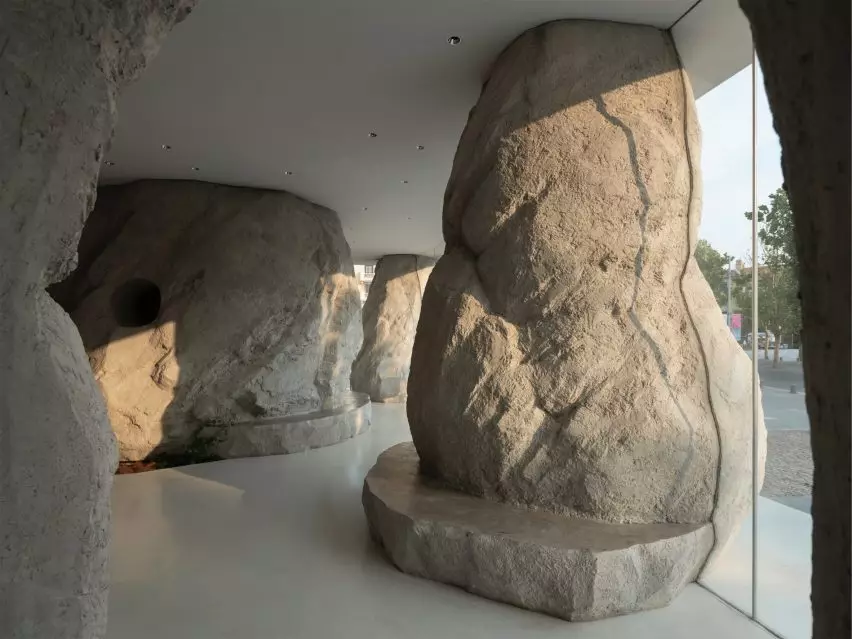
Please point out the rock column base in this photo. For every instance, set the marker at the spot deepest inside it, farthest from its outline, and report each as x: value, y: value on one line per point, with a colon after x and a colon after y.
x: 570, y: 568
x: 350, y: 416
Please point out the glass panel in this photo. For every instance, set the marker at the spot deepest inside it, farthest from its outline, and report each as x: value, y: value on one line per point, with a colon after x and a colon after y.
x: 784, y: 521
x: 725, y: 115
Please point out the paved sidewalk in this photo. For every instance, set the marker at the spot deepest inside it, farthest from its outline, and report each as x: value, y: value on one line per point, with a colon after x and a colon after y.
x: 789, y: 464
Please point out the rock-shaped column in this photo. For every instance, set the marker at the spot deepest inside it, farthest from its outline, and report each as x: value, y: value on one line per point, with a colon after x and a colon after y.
x: 204, y: 307
x: 390, y: 318
x: 61, y: 66
x: 570, y: 357
x: 804, y: 53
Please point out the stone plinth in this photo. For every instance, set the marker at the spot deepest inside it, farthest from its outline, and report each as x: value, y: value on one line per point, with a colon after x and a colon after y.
x: 390, y: 318
x: 566, y: 567
x: 350, y: 415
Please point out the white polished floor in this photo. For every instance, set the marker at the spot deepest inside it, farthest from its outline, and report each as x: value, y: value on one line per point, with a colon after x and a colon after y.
x: 277, y: 547
x: 783, y: 570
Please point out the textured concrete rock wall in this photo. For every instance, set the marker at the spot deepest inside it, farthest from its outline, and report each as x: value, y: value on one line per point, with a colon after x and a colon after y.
x: 390, y: 318
x: 61, y: 65
x: 803, y: 46
x: 259, y: 312
x: 560, y: 361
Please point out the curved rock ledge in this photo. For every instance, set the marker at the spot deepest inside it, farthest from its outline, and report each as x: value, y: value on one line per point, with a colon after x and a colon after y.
x: 569, y: 568
x: 295, y: 433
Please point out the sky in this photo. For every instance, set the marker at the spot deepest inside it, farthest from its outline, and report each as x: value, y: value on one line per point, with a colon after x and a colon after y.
x: 725, y: 117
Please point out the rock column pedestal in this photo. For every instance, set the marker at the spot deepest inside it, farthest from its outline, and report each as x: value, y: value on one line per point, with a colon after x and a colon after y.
x: 61, y: 66
x: 570, y: 358
x: 390, y: 318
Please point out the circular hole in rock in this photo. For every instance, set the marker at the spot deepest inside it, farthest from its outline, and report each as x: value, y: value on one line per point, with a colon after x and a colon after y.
x: 136, y: 303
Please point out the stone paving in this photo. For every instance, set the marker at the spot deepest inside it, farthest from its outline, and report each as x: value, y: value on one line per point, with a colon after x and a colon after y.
x: 789, y: 464
x: 789, y: 467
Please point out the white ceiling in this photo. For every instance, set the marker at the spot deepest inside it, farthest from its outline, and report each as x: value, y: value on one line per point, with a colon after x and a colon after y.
x: 246, y: 90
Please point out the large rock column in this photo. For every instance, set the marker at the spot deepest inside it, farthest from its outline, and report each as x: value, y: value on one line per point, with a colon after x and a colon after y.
x: 570, y: 357
x: 390, y: 318
x: 61, y: 66
x: 204, y: 307
x: 803, y: 46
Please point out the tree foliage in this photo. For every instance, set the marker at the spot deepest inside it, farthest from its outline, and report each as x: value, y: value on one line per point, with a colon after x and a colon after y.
x: 714, y: 267
x: 777, y: 299
x: 775, y: 232
x: 778, y: 277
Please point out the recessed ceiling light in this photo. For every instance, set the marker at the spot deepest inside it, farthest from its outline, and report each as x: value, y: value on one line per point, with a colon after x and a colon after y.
x: 454, y: 40
x: 373, y: 134
x: 195, y: 168
x: 166, y: 147
x: 288, y: 173
x: 420, y: 147
x: 109, y: 163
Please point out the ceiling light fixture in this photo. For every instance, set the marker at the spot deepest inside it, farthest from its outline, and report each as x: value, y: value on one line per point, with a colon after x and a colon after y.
x: 195, y: 168
x: 373, y: 134
x: 365, y: 208
x: 166, y: 147
x: 454, y: 40
x: 109, y: 163
x: 420, y: 147
x: 405, y: 181
x: 288, y: 173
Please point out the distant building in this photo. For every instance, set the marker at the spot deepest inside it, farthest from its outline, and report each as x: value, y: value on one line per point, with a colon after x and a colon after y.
x: 365, y: 274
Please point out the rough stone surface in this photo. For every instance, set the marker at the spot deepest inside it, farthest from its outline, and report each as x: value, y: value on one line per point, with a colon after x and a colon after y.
x: 728, y: 373
x: 390, y: 319
x: 803, y: 47
x: 294, y: 433
x: 566, y: 567
x: 259, y: 315
x: 61, y: 66
x: 569, y: 355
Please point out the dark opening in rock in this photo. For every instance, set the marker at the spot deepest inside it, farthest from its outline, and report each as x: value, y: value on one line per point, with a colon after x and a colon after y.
x: 136, y: 303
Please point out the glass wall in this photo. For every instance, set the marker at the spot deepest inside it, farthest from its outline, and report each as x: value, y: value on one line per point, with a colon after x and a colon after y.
x: 766, y: 571
x: 723, y: 251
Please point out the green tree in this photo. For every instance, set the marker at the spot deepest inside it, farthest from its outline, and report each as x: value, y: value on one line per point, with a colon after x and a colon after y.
x: 778, y: 303
x: 714, y: 267
x: 778, y: 278
x: 775, y: 231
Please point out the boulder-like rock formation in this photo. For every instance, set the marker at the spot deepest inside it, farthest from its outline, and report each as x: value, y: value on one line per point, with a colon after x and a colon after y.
x: 204, y: 305
x: 62, y: 64
x: 390, y: 318
x: 569, y: 355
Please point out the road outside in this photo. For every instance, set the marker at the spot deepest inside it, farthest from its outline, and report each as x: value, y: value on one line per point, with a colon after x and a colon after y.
x: 789, y: 465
